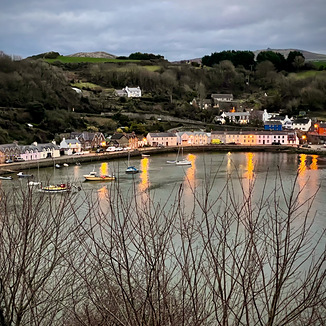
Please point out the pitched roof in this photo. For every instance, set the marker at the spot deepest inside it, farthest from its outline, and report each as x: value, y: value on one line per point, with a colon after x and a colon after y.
x: 162, y: 134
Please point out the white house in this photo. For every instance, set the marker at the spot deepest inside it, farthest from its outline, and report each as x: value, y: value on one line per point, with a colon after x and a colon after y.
x: 133, y: 91
x: 286, y: 121
x: 303, y: 124
x: 237, y: 117
x: 70, y: 146
x: 222, y: 98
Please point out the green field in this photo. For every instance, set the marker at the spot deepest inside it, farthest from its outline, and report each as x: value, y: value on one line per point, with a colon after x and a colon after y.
x: 319, y: 63
x: 65, y: 59
x: 307, y: 74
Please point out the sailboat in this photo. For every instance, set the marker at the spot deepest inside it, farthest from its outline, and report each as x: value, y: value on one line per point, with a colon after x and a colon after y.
x: 181, y: 161
x: 38, y: 182
x: 131, y: 169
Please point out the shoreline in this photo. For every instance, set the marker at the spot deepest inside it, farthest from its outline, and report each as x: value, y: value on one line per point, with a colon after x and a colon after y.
x: 73, y: 159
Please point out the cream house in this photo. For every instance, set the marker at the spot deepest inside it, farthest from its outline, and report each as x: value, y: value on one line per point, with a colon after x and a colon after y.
x: 161, y: 139
x: 193, y: 138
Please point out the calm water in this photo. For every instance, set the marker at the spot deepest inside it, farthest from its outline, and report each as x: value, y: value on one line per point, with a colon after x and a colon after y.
x: 163, y: 180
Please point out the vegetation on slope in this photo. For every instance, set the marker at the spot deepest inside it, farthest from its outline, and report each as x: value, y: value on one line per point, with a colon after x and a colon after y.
x: 42, y: 94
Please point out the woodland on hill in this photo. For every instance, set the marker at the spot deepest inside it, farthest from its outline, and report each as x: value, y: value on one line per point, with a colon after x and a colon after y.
x: 34, y: 91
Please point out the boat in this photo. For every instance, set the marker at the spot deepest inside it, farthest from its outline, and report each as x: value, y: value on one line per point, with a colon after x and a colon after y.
x: 63, y: 187
x: 58, y: 166
x: 65, y: 164
x: 5, y: 178
x: 34, y: 183
x: 182, y: 161
x: 93, y: 176
x: 24, y: 175
x: 131, y: 169
x: 145, y: 155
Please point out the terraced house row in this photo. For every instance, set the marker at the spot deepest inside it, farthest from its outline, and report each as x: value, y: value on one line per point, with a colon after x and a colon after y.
x: 86, y: 142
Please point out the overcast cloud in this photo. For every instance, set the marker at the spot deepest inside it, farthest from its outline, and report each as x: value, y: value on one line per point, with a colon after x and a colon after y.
x: 177, y: 29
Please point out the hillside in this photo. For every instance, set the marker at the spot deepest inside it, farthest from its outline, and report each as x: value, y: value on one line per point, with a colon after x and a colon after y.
x: 61, y: 97
x: 309, y: 56
x: 97, y: 54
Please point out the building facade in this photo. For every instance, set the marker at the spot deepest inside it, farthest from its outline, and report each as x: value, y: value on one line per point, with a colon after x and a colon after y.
x: 161, y: 139
x: 255, y: 137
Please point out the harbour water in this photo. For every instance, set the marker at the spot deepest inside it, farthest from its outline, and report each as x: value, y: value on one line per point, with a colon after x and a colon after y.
x: 162, y: 180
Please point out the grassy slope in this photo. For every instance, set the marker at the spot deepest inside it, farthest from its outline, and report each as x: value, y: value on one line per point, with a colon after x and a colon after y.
x: 64, y: 59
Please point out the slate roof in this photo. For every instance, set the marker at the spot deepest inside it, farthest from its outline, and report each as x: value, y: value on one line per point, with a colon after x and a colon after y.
x: 162, y: 134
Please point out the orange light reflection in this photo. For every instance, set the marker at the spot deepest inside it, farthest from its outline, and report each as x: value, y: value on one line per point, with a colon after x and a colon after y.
x: 144, y: 184
x: 190, y: 173
x: 302, y: 164
x: 314, y: 165
x: 250, y: 166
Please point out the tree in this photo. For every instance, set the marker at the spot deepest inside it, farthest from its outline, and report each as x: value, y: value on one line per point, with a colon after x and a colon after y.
x: 37, y: 248
x: 215, y: 260
x: 295, y: 60
x: 276, y: 58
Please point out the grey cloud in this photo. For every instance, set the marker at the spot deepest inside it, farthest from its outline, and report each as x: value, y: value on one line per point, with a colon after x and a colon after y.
x: 177, y: 29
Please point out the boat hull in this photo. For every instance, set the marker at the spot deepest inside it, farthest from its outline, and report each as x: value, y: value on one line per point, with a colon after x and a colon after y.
x: 100, y: 178
x: 56, y: 188
x: 132, y: 170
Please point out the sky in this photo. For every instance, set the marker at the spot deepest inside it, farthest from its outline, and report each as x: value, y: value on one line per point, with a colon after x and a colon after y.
x: 176, y: 29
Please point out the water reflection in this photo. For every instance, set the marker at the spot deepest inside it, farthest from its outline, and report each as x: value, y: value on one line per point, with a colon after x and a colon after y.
x: 229, y: 163
x: 103, y: 193
x: 144, y: 180
x: 104, y: 168
x: 302, y: 164
x: 249, y: 174
x: 314, y: 165
x: 308, y: 176
x: 190, y: 173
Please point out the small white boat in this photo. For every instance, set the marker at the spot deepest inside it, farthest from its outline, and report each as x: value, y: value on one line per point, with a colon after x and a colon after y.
x: 5, y: 178
x: 145, y: 155
x: 65, y: 164
x: 34, y: 183
x: 183, y: 162
x: 58, y: 166
x: 24, y: 175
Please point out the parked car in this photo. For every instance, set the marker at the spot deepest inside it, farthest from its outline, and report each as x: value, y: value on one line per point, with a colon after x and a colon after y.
x: 276, y: 143
x: 19, y: 159
x: 111, y: 149
x: 100, y: 150
x: 9, y: 161
x: 306, y: 146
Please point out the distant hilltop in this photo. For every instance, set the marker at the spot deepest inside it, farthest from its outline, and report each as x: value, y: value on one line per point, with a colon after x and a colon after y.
x: 98, y: 54
x: 309, y: 56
